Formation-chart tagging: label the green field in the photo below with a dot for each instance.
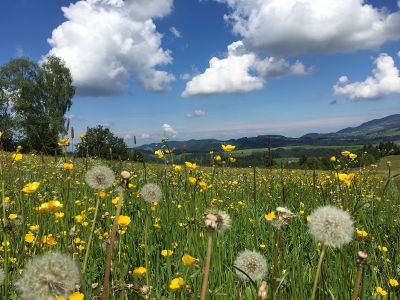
(177, 223)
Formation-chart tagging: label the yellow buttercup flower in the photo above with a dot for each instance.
(352, 156)
(124, 221)
(76, 296)
(192, 180)
(63, 143)
(177, 168)
(139, 271)
(12, 216)
(393, 282)
(68, 166)
(217, 157)
(190, 166)
(228, 148)
(159, 153)
(345, 153)
(361, 233)
(16, 156)
(333, 158)
(167, 253)
(346, 178)
(271, 216)
(49, 240)
(383, 248)
(189, 260)
(59, 215)
(176, 283)
(30, 188)
(381, 292)
(29, 237)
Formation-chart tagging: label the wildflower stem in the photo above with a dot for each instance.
(318, 272)
(107, 270)
(91, 235)
(206, 268)
(275, 274)
(362, 256)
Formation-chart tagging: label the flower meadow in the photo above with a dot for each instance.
(84, 228)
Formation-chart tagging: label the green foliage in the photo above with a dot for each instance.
(101, 142)
(33, 101)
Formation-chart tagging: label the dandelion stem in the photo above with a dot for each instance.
(206, 268)
(362, 256)
(318, 272)
(275, 274)
(107, 270)
(91, 235)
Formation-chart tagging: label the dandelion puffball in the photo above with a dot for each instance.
(100, 177)
(151, 192)
(331, 226)
(48, 276)
(217, 220)
(252, 263)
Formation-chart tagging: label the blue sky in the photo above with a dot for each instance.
(143, 67)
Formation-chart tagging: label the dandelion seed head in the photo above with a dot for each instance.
(100, 177)
(331, 226)
(48, 276)
(217, 220)
(151, 192)
(125, 175)
(252, 263)
(283, 217)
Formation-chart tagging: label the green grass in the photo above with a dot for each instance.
(181, 227)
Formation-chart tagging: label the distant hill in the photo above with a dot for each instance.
(374, 131)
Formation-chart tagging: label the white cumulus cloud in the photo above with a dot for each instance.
(311, 26)
(169, 130)
(385, 80)
(197, 113)
(240, 71)
(107, 42)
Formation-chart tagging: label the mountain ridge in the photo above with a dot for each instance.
(373, 131)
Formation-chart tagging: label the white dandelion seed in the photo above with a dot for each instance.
(100, 177)
(331, 226)
(252, 263)
(151, 192)
(48, 276)
(217, 220)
